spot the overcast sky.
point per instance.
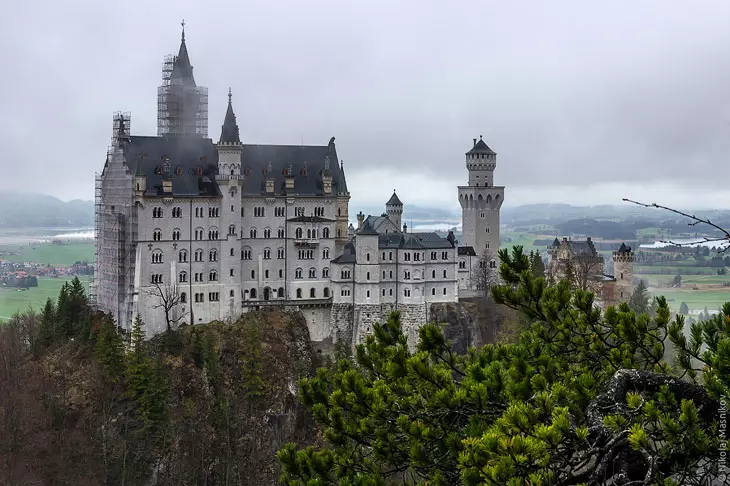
(583, 104)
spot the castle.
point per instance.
(580, 262)
(193, 231)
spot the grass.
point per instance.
(64, 255)
(695, 299)
(12, 301)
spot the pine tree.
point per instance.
(639, 300)
(252, 382)
(48, 323)
(537, 266)
(64, 313)
(109, 350)
(683, 308)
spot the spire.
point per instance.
(183, 70)
(394, 201)
(229, 130)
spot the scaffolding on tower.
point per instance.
(182, 109)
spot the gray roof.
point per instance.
(382, 224)
(414, 241)
(310, 219)
(394, 201)
(624, 249)
(229, 130)
(481, 148)
(182, 71)
(348, 255)
(194, 164)
(580, 248)
(366, 230)
(467, 251)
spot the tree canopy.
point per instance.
(584, 397)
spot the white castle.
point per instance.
(192, 231)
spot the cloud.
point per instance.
(570, 94)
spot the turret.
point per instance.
(394, 209)
(623, 271)
(229, 144)
(360, 219)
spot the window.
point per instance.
(390, 274)
(298, 273)
(312, 273)
(367, 257)
(306, 254)
(157, 256)
(267, 232)
(433, 291)
(319, 211)
(213, 212)
(622, 275)
(367, 276)
(487, 230)
(232, 230)
(280, 232)
(230, 273)
(382, 293)
(156, 212)
(198, 233)
(199, 276)
(213, 256)
(312, 293)
(444, 273)
(266, 274)
(407, 257)
(252, 233)
(182, 256)
(345, 273)
(299, 293)
(156, 278)
(198, 255)
(325, 272)
(231, 293)
(157, 235)
(444, 255)
(406, 275)
(281, 293)
(325, 232)
(213, 276)
(487, 245)
(407, 293)
(326, 292)
(390, 255)
(213, 296)
(298, 233)
(242, 212)
(444, 292)
(175, 234)
(183, 277)
(493, 264)
(433, 255)
(281, 273)
(233, 208)
(253, 274)
(183, 298)
(267, 253)
(199, 297)
(417, 256)
(246, 254)
(433, 273)
(252, 293)
(280, 253)
(390, 292)
(345, 292)
(383, 274)
(298, 211)
(462, 264)
(212, 234)
(177, 212)
(326, 254)
(233, 252)
(259, 212)
(279, 212)
(367, 294)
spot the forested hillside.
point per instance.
(37, 210)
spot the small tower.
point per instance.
(394, 209)
(360, 219)
(481, 200)
(623, 271)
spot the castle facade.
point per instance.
(191, 231)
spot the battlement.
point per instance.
(625, 257)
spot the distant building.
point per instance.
(580, 261)
(231, 226)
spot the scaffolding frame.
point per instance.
(181, 109)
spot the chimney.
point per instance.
(475, 142)
(269, 186)
(405, 228)
(360, 219)
(588, 239)
(289, 178)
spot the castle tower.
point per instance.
(623, 270)
(394, 209)
(229, 181)
(481, 201)
(182, 106)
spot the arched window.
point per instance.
(213, 255)
(280, 293)
(433, 273)
(325, 233)
(233, 252)
(326, 253)
(299, 293)
(175, 234)
(213, 276)
(183, 277)
(298, 233)
(312, 293)
(182, 256)
(246, 254)
(326, 292)
(298, 273)
(325, 272)
(267, 232)
(267, 253)
(280, 232)
(157, 256)
(253, 293)
(232, 229)
(198, 255)
(312, 273)
(252, 233)
(183, 298)
(309, 233)
(157, 234)
(198, 233)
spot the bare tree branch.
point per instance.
(167, 299)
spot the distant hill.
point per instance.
(18, 211)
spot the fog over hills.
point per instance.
(27, 210)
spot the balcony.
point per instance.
(306, 242)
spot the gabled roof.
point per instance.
(481, 148)
(467, 251)
(366, 230)
(382, 224)
(394, 201)
(581, 248)
(556, 242)
(348, 255)
(229, 130)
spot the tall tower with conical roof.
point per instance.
(394, 209)
(481, 201)
(623, 272)
(182, 106)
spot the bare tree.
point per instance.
(486, 273)
(582, 268)
(167, 299)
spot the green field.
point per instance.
(64, 254)
(695, 299)
(12, 300)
